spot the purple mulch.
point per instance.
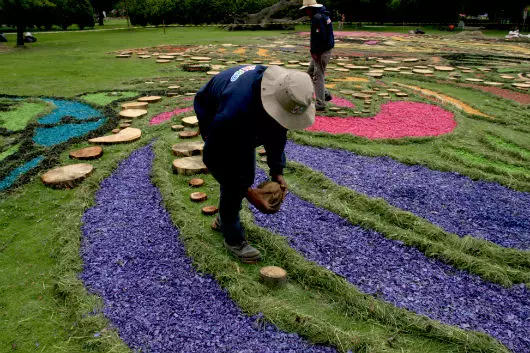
(403, 275)
(451, 201)
(152, 294)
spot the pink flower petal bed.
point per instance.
(395, 120)
(341, 102)
(160, 118)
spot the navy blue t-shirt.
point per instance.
(233, 123)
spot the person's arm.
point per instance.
(276, 160)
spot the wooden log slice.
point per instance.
(422, 71)
(133, 113)
(521, 85)
(126, 135)
(378, 66)
(374, 74)
(190, 121)
(67, 176)
(188, 134)
(173, 87)
(334, 109)
(189, 165)
(393, 90)
(508, 77)
(115, 131)
(124, 125)
(361, 95)
(444, 68)
(388, 62)
(273, 276)
(209, 210)
(144, 56)
(149, 99)
(341, 69)
(198, 196)
(356, 67)
(162, 61)
(401, 94)
(490, 83)
(87, 153)
(166, 57)
(188, 149)
(277, 63)
(474, 80)
(134, 105)
(410, 60)
(212, 73)
(123, 56)
(196, 182)
(262, 152)
(200, 58)
(177, 127)
(293, 62)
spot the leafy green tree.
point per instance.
(21, 14)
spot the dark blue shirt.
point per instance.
(233, 123)
(322, 37)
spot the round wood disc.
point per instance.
(188, 134)
(361, 95)
(190, 121)
(357, 67)
(277, 63)
(124, 125)
(173, 87)
(149, 99)
(196, 182)
(474, 80)
(490, 83)
(189, 165)
(508, 77)
(410, 60)
(134, 105)
(126, 135)
(374, 74)
(87, 153)
(144, 56)
(212, 73)
(115, 131)
(188, 149)
(123, 56)
(273, 275)
(177, 127)
(162, 61)
(444, 68)
(422, 71)
(262, 152)
(200, 58)
(133, 113)
(209, 210)
(166, 57)
(401, 94)
(67, 176)
(198, 196)
(521, 85)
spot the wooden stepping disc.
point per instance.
(134, 105)
(257, 62)
(123, 56)
(340, 69)
(188, 134)
(262, 152)
(421, 67)
(87, 153)
(391, 69)
(200, 58)
(464, 68)
(126, 135)
(68, 175)
(212, 73)
(521, 85)
(162, 61)
(401, 94)
(410, 60)
(149, 99)
(355, 67)
(273, 276)
(173, 87)
(384, 61)
(347, 91)
(383, 94)
(124, 125)
(166, 57)
(177, 127)
(334, 109)
(209, 210)
(474, 80)
(444, 68)
(293, 62)
(422, 71)
(374, 74)
(467, 71)
(277, 63)
(361, 95)
(190, 121)
(189, 165)
(393, 90)
(133, 113)
(172, 94)
(488, 83)
(196, 182)
(144, 56)
(198, 196)
(508, 77)
(188, 149)
(263, 159)
(378, 66)
(115, 131)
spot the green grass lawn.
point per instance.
(45, 308)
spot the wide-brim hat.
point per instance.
(287, 96)
(310, 3)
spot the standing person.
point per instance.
(322, 41)
(341, 23)
(238, 110)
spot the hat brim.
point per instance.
(272, 78)
(315, 5)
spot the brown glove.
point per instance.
(267, 198)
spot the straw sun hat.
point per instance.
(287, 96)
(310, 3)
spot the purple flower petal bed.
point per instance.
(402, 275)
(152, 294)
(451, 201)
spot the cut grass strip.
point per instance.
(11, 150)
(508, 147)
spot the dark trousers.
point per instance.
(229, 208)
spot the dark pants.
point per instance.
(229, 208)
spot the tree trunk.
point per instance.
(264, 15)
(20, 35)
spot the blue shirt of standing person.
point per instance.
(238, 110)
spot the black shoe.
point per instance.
(320, 109)
(245, 252)
(328, 97)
